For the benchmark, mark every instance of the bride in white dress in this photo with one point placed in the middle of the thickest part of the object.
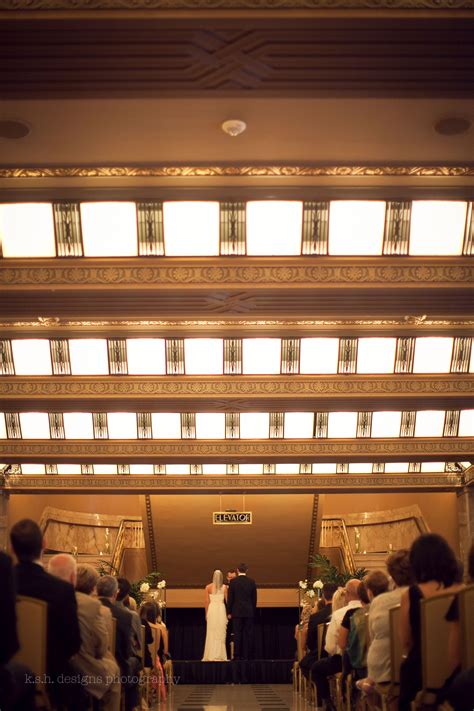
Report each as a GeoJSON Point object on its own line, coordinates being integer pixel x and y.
{"type": "Point", "coordinates": [216, 616]}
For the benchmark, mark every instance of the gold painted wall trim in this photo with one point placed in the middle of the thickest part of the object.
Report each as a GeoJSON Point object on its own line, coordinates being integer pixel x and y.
{"type": "Point", "coordinates": [243, 171]}
{"type": "Point", "coordinates": [335, 483]}
{"type": "Point", "coordinates": [228, 387]}
{"type": "Point", "coordinates": [225, 451]}
{"type": "Point", "coordinates": [170, 274]}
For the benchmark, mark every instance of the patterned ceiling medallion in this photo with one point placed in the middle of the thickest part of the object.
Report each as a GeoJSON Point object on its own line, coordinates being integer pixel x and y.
{"type": "Point", "coordinates": [397, 228]}
{"type": "Point", "coordinates": [67, 227]}
{"type": "Point", "coordinates": [232, 228]}
{"type": "Point", "coordinates": [405, 355]}
{"type": "Point", "coordinates": [6, 358]}
{"type": "Point", "coordinates": [60, 356]}
{"type": "Point", "coordinates": [150, 229]}
{"type": "Point", "coordinates": [315, 228]}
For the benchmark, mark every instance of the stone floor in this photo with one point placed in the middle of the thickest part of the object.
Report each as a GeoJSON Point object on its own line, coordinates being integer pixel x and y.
{"type": "Point", "coordinates": [252, 697]}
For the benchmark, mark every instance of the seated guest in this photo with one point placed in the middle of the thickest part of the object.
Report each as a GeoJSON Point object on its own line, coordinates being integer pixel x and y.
{"type": "Point", "coordinates": [149, 613]}
{"type": "Point", "coordinates": [378, 656]}
{"type": "Point", "coordinates": [107, 588]}
{"type": "Point", "coordinates": [97, 665]}
{"type": "Point", "coordinates": [15, 693]}
{"type": "Point", "coordinates": [324, 668]}
{"type": "Point", "coordinates": [123, 599]}
{"type": "Point", "coordinates": [319, 617]}
{"type": "Point", "coordinates": [63, 635]}
{"type": "Point", "coordinates": [460, 686]}
{"type": "Point", "coordinates": [434, 568]}
{"type": "Point", "coordinates": [353, 635]}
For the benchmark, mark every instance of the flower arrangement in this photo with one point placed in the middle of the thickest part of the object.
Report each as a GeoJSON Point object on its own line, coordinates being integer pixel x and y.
{"type": "Point", "coordinates": [308, 591]}
{"type": "Point", "coordinates": [152, 587]}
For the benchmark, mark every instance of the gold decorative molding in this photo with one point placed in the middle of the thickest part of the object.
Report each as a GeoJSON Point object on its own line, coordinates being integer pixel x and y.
{"type": "Point", "coordinates": [224, 451]}
{"type": "Point", "coordinates": [245, 171]}
{"type": "Point", "coordinates": [227, 391]}
{"type": "Point", "coordinates": [330, 483]}
{"type": "Point", "coordinates": [254, 273]}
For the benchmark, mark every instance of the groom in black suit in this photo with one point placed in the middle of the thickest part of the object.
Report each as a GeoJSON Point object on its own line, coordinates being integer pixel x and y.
{"type": "Point", "coordinates": [241, 607]}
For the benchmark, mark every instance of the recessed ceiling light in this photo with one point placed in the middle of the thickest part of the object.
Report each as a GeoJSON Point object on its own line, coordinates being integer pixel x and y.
{"type": "Point", "coordinates": [13, 130]}
{"type": "Point", "coordinates": [452, 126]}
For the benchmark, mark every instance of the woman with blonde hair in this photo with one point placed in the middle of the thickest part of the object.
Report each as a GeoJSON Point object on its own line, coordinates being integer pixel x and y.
{"type": "Point", "coordinates": [339, 599]}
{"type": "Point", "coordinates": [216, 617]}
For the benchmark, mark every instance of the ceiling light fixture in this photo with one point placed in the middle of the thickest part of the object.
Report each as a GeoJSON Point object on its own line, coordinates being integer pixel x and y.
{"type": "Point", "coordinates": [234, 127]}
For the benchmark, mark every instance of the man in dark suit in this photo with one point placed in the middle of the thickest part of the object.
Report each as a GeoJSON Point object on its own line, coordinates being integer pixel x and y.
{"type": "Point", "coordinates": [107, 589]}
{"type": "Point", "coordinates": [316, 619]}
{"type": "Point", "coordinates": [63, 635]}
{"type": "Point", "coordinates": [241, 608]}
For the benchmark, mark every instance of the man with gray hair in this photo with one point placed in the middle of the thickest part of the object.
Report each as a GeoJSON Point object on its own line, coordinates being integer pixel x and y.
{"type": "Point", "coordinates": [99, 670]}
{"type": "Point", "coordinates": [107, 588]}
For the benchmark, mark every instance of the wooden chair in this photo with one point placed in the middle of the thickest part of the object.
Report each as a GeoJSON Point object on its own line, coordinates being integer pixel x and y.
{"type": "Point", "coordinates": [296, 671]}
{"type": "Point", "coordinates": [149, 672]}
{"type": "Point", "coordinates": [434, 643]}
{"type": "Point", "coordinates": [466, 623]}
{"type": "Point", "coordinates": [389, 691]}
{"type": "Point", "coordinates": [32, 618]}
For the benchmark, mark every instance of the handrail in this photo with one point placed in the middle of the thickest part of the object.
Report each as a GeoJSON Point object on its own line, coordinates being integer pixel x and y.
{"type": "Point", "coordinates": [130, 535]}
{"type": "Point", "coordinates": [334, 534]}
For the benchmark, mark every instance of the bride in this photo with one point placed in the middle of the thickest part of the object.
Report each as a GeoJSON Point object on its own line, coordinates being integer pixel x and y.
{"type": "Point", "coordinates": [216, 616]}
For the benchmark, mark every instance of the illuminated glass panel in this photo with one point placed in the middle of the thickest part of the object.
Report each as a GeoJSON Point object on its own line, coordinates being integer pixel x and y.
{"type": "Point", "coordinates": [433, 466]}
{"type": "Point", "coordinates": [34, 425]}
{"type": "Point", "coordinates": [429, 423]}
{"type": "Point", "coordinates": [261, 356]}
{"type": "Point", "coordinates": [471, 364]}
{"type": "Point", "coordinates": [214, 469]}
{"type": "Point", "coordinates": [122, 425]}
{"type": "Point", "coordinates": [376, 355]}
{"type": "Point", "coordinates": [204, 356]}
{"type": "Point", "coordinates": [386, 424]}
{"type": "Point", "coordinates": [109, 229]}
{"type": "Point", "coordinates": [32, 356]}
{"type": "Point", "coordinates": [360, 468]}
{"type": "Point", "coordinates": [3, 429]}
{"type": "Point", "coordinates": [274, 227]}
{"type": "Point", "coordinates": [78, 425]}
{"type": "Point", "coordinates": [324, 468]}
{"type": "Point", "coordinates": [88, 356]}
{"type": "Point", "coordinates": [191, 229]}
{"type": "Point", "coordinates": [250, 469]}
{"type": "Point", "coordinates": [466, 423]}
{"type": "Point", "coordinates": [174, 469]}
{"type": "Point", "coordinates": [396, 467]}
{"type": "Point", "coordinates": [298, 425]}
{"type": "Point", "coordinates": [141, 468]}
{"type": "Point", "coordinates": [69, 469]}
{"type": "Point", "coordinates": [319, 355]}
{"type": "Point", "coordinates": [356, 227]}
{"type": "Point", "coordinates": [254, 425]}
{"type": "Point", "coordinates": [166, 425]}
{"type": "Point", "coordinates": [33, 469]}
{"type": "Point", "coordinates": [27, 230]}
{"type": "Point", "coordinates": [433, 355]}
{"type": "Point", "coordinates": [210, 425]}
{"type": "Point", "coordinates": [287, 469]}
{"type": "Point", "coordinates": [437, 227]}
{"type": "Point", "coordinates": [146, 356]}
{"type": "Point", "coordinates": [105, 469]}
{"type": "Point", "coordinates": [342, 424]}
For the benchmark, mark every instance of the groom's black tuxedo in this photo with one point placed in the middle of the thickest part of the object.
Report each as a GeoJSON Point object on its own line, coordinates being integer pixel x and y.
{"type": "Point", "coordinates": [242, 597]}
{"type": "Point", "coordinates": [242, 604]}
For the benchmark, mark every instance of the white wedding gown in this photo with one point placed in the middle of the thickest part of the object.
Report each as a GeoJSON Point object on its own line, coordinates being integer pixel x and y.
{"type": "Point", "coordinates": [214, 650]}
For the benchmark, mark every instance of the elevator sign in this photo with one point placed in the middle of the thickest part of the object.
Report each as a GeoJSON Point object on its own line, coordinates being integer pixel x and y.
{"type": "Point", "coordinates": [231, 517]}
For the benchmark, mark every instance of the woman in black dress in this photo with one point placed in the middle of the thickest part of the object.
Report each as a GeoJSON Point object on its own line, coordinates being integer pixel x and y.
{"type": "Point", "coordinates": [434, 568]}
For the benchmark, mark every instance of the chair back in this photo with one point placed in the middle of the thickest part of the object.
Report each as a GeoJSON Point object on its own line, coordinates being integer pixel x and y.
{"type": "Point", "coordinates": [32, 617]}
{"type": "Point", "coordinates": [113, 636]}
{"type": "Point", "coordinates": [142, 629]}
{"type": "Point", "coordinates": [155, 645]}
{"type": "Point", "coordinates": [466, 623]}
{"type": "Point", "coordinates": [434, 640]}
{"type": "Point", "coordinates": [395, 644]}
{"type": "Point", "coordinates": [299, 644]}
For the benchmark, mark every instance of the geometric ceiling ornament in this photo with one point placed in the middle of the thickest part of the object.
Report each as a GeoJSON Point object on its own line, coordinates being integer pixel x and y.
{"type": "Point", "coordinates": [405, 355]}
{"type": "Point", "coordinates": [117, 348]}
{"type": "Point", "coordinates": [397, 228]}
{"type": "Point", "coordinates": [461, 354]}
{"type": "Point", "coordinates": [315, 228]}
{"type": "Point", "coordinates": [67, 226]}
{"type": "Point", "coordinates": [468, 246]}
{"type": "Point", "coordinates": [6, 358]}
{"type": "Point", "coordinates": [150, 229]}
{"type": "Point", "coordinates": [232, 228]}
{"type": "Point", "coordinates": [60, 356]}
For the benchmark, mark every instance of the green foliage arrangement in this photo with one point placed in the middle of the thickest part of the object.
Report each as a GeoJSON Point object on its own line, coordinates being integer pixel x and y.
{"type": "Point", "coordinates": [328, 573]}
{"type": "Point", "coordinates": [152, 579]}
{"type": "Point", "coordinates": [103, 567]}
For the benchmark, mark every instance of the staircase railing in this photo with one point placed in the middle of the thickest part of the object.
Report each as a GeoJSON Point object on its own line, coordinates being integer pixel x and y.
{"type": "Point", "coordinates": [130, 535]}
{"type": "Point", "coordinates": [334, 535]}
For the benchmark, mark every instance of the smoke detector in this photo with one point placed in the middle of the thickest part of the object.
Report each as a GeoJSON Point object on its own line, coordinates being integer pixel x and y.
{"type": "Point", "coordinates": [234, 127]}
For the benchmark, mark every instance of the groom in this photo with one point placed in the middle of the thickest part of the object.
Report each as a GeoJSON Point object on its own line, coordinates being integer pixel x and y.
{"type": "Point", "coordinates": [241, 607]}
